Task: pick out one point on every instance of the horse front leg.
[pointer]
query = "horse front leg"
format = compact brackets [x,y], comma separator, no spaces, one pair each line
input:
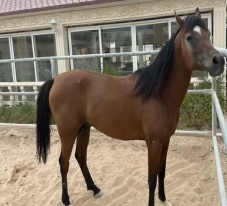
[161,173]
[154,155]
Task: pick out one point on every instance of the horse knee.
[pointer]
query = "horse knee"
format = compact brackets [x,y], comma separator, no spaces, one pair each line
[64,166]
[152,182]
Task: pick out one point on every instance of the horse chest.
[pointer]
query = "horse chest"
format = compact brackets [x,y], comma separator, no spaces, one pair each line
[160,127]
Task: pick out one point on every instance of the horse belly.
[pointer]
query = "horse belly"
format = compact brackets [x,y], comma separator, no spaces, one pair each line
[118,124]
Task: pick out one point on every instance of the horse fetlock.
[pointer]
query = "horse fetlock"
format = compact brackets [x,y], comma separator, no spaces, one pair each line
[94,188]
[65,199]
[162,197]
[97,192]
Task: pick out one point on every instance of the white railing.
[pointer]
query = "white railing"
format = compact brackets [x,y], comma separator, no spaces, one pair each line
[216,108]
[26,89]
[19,88]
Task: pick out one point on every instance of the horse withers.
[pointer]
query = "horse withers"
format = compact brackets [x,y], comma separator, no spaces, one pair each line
[144,105]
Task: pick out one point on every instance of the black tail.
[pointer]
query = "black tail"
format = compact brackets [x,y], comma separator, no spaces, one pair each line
[43,121]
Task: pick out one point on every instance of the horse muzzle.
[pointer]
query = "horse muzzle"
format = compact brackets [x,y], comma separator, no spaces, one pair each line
[217,64]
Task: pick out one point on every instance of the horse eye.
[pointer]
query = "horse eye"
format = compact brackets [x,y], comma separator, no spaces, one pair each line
[189,38]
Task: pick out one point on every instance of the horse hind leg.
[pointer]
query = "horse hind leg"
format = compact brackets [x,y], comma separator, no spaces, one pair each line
[81,157]
[67,142]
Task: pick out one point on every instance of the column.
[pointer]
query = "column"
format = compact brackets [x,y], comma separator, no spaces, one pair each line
[12,97]
[219,35]
[62,48]
[35,88]
[24,97]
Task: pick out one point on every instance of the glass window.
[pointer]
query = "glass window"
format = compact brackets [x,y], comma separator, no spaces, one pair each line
[44,47]
[5,68]
[86,42]
[22,47]
[150,37]
[117,40]
[27,46]
[174,28]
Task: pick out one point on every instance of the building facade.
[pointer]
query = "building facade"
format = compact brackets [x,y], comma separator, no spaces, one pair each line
[94,27]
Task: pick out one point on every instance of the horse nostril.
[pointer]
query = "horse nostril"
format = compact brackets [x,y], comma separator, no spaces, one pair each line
[215,60]
[222,60]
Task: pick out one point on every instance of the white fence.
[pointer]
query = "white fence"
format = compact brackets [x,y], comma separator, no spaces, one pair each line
[216,108]
[25,89]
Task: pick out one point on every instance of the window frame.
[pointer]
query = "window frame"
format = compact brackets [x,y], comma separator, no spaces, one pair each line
[32,34]
[133,26]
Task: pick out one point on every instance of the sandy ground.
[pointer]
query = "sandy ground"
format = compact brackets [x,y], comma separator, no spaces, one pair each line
[118,168]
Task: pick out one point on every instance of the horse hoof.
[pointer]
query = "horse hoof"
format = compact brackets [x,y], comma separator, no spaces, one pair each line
[162,198]
[98,195]
[166,203]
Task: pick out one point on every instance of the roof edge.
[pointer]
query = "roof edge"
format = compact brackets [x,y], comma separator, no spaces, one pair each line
[58,7]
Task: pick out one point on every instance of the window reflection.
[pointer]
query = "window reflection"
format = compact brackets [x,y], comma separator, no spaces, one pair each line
[117,40]
[86,42]
[150,37]
[5,68]
[22,47]
[45,46]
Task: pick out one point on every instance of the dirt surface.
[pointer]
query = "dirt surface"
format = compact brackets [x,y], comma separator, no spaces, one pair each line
[118,168]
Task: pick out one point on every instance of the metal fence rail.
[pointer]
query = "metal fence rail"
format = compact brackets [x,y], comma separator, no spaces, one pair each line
[216,108]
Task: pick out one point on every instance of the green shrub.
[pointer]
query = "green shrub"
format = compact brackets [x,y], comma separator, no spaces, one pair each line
[22,113]
[196,110]
[110,70]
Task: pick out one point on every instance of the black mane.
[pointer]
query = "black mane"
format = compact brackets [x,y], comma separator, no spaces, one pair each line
[150,78]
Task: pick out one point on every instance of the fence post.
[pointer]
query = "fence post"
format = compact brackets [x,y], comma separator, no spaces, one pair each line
[35,88]
[53,67]
[214,115]
[24,97]
[12,97]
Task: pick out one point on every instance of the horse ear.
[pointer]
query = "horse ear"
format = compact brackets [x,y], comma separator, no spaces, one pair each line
[197,12]
[179,20]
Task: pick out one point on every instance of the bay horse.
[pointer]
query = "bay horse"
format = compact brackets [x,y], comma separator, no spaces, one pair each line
[144,105]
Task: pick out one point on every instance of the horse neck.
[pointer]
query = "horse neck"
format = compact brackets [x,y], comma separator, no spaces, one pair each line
[175,88]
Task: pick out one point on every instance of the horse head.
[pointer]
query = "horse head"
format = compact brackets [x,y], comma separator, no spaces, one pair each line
[199,54]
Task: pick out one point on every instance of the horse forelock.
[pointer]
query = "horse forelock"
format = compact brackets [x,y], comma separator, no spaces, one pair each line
[191,22]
